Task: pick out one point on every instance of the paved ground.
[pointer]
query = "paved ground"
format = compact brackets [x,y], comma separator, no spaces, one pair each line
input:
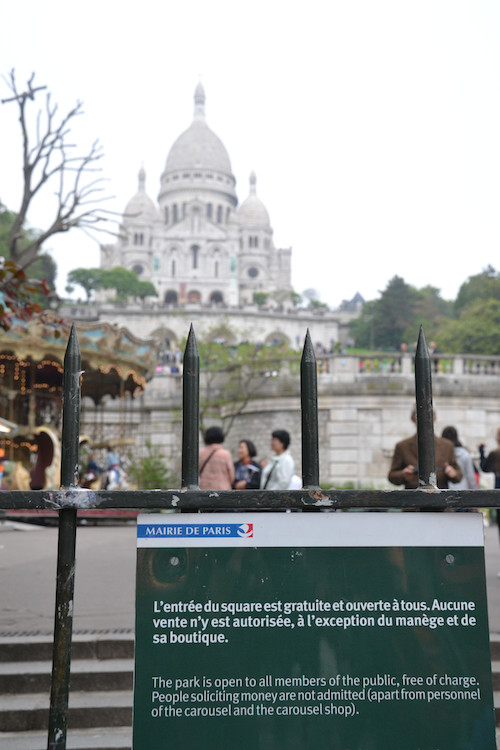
[105,578]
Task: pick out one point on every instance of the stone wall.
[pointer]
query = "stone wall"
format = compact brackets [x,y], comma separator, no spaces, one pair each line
[360,420]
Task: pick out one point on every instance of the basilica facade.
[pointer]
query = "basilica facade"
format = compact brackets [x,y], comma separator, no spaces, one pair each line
[197,244]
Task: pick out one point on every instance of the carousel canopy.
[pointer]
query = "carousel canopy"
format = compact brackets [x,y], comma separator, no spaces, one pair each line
[114,362]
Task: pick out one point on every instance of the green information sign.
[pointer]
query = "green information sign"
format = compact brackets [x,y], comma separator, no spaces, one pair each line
[285,631]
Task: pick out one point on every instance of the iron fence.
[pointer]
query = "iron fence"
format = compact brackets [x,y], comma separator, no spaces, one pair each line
[70,498]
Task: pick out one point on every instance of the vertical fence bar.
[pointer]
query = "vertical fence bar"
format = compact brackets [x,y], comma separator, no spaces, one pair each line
[190,413]
[425,414]
[309,406]
[63,624]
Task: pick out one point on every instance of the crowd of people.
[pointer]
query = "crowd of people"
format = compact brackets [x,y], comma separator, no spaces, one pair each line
[455,468]
[218,471]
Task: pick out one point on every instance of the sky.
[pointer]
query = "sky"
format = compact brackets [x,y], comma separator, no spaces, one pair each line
[373,126]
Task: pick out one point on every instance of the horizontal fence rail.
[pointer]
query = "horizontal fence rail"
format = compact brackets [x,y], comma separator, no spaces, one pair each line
[193,500]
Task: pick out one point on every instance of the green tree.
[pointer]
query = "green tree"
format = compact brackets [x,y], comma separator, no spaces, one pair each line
[234,374]
[430,310]
[150,472]
[260,298]
[396,316]
[126,284]
[146,289]
[88,278]
[477,331]
[49,164]
[481,286]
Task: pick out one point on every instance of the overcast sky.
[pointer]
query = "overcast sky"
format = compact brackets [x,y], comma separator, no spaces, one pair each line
[373,125]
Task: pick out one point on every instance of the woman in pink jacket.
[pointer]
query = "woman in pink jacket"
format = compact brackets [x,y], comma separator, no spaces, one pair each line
[216,464]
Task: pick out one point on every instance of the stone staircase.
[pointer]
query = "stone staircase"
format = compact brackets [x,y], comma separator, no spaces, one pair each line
[100,706]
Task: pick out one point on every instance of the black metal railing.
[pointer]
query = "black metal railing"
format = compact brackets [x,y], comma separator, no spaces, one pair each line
[70,498]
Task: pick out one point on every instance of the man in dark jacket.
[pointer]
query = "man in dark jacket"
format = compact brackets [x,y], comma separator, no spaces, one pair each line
[404,466]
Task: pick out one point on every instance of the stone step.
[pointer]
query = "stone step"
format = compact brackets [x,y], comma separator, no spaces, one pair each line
[116,738]
[85,646]
[86,674]
[111,708]
[100,707]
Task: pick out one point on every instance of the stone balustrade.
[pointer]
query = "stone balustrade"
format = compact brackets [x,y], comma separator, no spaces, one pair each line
[402,364]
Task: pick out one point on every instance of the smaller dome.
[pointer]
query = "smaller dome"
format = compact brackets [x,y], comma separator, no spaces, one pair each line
[252,212]
[140,206]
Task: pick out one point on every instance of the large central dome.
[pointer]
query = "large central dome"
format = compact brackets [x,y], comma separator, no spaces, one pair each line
[198,147]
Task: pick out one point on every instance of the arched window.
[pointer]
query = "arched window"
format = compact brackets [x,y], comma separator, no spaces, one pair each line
[138,269]
[195,220]
[216,269]
[173,269]
[175,213]
[194,296]
[171,297]
[209,210]
[256,241]
[165,213]
[219,214]
[216,298]
[194,255]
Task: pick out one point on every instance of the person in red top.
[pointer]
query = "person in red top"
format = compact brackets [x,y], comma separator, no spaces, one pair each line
[216,464]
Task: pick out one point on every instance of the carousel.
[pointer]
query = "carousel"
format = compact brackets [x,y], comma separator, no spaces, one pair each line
[115,364]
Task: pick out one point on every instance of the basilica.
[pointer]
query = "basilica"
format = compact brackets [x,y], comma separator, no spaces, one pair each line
[197,244]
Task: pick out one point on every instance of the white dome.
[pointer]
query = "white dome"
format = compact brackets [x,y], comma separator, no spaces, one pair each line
[140,206]
[198,147]
[252,213]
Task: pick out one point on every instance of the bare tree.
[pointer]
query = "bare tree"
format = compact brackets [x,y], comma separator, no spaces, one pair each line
[48,156]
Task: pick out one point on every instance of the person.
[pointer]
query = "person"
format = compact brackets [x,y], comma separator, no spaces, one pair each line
[112,459]
[278,472]
[464,460]
[216,464]
[491,463]
[404,466]
[247,471]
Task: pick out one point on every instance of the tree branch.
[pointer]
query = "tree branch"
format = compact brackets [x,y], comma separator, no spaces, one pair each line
[46,158]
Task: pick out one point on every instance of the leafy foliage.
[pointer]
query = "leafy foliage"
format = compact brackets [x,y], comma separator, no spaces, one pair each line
[234,374]
[260,298]
[125,283]
[477,331]
[482,286]
[87,278]
[150,472]
[22,296]
[396,316]
[18,294]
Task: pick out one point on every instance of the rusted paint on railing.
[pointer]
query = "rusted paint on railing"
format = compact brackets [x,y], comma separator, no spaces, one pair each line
[192,500]
[65,586]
